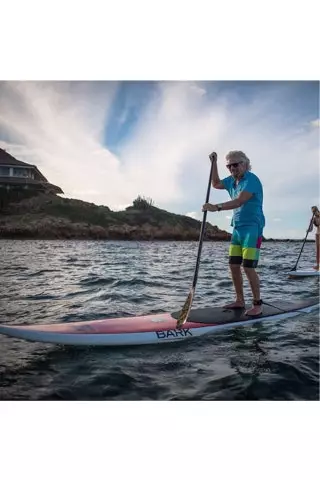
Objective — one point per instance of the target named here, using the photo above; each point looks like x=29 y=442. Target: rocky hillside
x=48 y=216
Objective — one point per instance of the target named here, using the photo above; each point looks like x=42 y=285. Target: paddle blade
x=183 y=317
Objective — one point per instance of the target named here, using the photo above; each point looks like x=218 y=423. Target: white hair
x=240 y=156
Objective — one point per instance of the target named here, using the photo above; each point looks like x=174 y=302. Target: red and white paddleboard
x=158 y=328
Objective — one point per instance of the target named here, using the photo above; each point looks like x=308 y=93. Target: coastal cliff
x=48 y=216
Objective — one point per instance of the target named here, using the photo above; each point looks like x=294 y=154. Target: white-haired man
x=246 y=192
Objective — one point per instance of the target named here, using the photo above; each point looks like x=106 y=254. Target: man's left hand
x=208 y=207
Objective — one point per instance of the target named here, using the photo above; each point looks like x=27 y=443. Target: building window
x=21 y=172
x=4 y=171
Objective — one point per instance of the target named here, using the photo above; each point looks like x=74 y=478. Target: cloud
x=195 y=215
x=177 y=128
x=199 y=91
x=119 y=208
x=315 y=123
x=60 y=128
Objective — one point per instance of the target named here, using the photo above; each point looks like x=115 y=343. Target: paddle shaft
x=203 y=227
x=311 y=221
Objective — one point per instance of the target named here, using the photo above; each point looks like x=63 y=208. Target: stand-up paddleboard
x=159 y=328
x=304 y=273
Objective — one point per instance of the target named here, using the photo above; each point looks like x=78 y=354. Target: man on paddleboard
x=316 y=223
x=246 y=192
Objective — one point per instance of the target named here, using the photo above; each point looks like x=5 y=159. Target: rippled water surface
x=61 y=281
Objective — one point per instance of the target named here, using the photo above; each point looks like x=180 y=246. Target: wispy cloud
x=60 y=127
x=195 y=215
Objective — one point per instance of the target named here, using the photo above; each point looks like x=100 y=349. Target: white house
x=17 y=175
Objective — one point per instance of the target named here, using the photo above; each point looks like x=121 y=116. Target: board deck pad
x=221 y=315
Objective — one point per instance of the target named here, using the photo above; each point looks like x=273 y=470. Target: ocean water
x=61 y=281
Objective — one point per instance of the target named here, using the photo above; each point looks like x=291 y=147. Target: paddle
x=311 y=221
x=187 y=305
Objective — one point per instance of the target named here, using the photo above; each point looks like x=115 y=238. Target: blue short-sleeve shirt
x=251 y=212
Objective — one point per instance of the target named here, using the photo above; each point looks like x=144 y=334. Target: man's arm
x=236 y=203
x=215 y=179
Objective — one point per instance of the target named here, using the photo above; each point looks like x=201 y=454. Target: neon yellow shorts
x=245 y=246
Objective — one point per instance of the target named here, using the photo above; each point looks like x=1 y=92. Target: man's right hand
x=213 y=157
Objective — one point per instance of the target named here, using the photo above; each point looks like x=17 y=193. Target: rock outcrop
x=48 y=216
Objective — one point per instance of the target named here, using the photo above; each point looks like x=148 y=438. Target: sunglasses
x=235 y=165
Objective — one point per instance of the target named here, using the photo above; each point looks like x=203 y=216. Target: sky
x=108 y=142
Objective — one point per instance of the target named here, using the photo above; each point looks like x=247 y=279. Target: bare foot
x=316 y=267
x=236 y=304
x=254 y=311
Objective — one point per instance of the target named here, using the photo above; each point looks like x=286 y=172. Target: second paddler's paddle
x=305 y=239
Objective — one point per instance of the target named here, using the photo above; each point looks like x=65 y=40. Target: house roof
x=7 y=159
